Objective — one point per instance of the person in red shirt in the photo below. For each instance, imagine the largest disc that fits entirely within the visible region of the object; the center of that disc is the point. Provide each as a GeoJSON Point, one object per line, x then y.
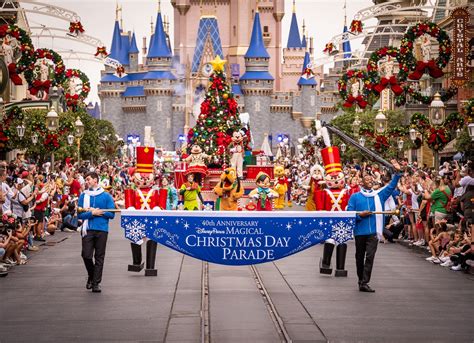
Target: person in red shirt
{"type": "Point", "coordinates": [74, 185]}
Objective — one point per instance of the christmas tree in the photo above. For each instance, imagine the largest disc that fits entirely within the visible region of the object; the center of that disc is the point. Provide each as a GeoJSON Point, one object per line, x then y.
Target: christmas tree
{"type": "Point", "coordinates": [219, 117]}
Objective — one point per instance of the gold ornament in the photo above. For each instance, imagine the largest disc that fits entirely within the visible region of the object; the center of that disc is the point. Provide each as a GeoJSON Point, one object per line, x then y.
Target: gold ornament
{"type": "Point", "coordinates": [218, 63]}
{"type": "Point", "coordinates": [225, 96]}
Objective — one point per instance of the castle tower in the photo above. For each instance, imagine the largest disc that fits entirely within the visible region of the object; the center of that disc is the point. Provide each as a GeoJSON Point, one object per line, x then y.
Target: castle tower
{"type": "Point", "coordinates": [293, 56]}
{"type": "Point", "coordinates": [308, 91]}
{"type": "Point", "coordinates": [133, 54]}
{"type": "Point", "coordinates": [234, 19]}
{"type": "Point", "coordinates": [257, 84]}
{"type": "Point", "coordinates": [159, 87]}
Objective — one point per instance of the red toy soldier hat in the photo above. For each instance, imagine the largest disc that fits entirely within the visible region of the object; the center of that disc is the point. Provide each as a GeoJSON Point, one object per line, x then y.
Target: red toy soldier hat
{"type": "Point", "coordinates": [145, 156]}
{"type": "Point", "coordinates": [331, 160]}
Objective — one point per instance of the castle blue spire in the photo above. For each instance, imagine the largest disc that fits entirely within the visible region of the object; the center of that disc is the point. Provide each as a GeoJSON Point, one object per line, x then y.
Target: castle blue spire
{"type": "Point", "coordinates": [294, 40]}
{"type": "Point", "coordinates": [158, 44]}
{"type": "Point", "coordinates": [306, 82]}
{"type": "Point", "coordinates": [303, 42]}
{"type": "Point", "coordinates": [116, 47]}
{"type": "Point", "coordinates": [257, 47]}
{"type": "Point", "coordinates": [133, 45]}
{"type": "Point", "coordinates": [346, 45]}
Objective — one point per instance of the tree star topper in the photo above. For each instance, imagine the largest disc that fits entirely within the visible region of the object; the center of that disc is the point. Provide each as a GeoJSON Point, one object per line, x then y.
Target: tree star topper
{"type": "Point", "coordinates": [218, 63]}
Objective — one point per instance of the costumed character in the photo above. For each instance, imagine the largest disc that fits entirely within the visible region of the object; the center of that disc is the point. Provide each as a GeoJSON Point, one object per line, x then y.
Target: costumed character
{"type": "Point", "coordinates": [334, 197]}
{"type": "Point", "coordinates": [144, 197]}
{"type": "Point", "coordinates": [236, 148]}
{"type": "Point", "coordinates": [289, 184]}
{"type": "Point", "coordinates": [171, 194]}
{"type": "Point", "coordinates": [229, 190]}
{"type": "Point", "coordinates": [191, 192]}
{"type": "Point", "coordinates": [263, 194]}
{"type": "Point", "coordinates": [197, 162]}
{"type": "Point", "coordinates": [313, 183]}
{"type": "Point", "coordinates": [281, 186]}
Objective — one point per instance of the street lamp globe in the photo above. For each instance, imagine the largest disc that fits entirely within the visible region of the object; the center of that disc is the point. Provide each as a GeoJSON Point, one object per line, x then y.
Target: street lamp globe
{"type": "Point", "coordinates": [52, 120]}
{"type": "Point", "coordinates": [412, 134]}
{"type": "Point", "coordinates": [20, 130]}
{"type": "Point", "coordinates": [380, 122]}
{"type": "Point", "coordinates": [79, 128]}
{"type": "Point", "coordinates": [343, 147]}
{"type": "Point", "coordinates": [437, 110]}
{"type": "Point", "coordinates": [458, 133]}
{"type": "Point", "coordinates": [470, 127]}
{"type": "Point", "coordinates": [70, 139]}
{"type": "Point", "coordinates": [400, 143]}
{"type": "Point", "coordinates": [34, 138]}
{"type": "Point", "coordinates": [356, 126]}
{"type": "Point", "coordinates": [362, 141]}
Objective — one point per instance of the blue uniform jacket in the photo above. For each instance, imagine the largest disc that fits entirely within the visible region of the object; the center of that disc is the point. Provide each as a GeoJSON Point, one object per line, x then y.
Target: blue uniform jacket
{"type": "Point", "coordinates": [359, 202]}
{"type": "Point", "coordinates": [101, 201]}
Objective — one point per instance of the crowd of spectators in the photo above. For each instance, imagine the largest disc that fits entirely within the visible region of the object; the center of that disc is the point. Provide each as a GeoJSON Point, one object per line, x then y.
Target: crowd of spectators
{"type": "Point", "coordinates": [435, 207]}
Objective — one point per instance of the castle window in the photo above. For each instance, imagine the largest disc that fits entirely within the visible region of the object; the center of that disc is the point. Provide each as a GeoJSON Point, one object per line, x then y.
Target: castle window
{"type": "Point", "coordinates": [257, 106]}
{"type": "Point", "coordinates": [159, 105]}
{"type": "Point", "coordinates": [168, 123]}
{"type": "Point", "coordinates": [257, 81]}
{"type": "Point", "coordinates": [121, 83]}
{"type": "Point", "coordinates": [234, 30]}
{"type": "Point", "coordinates": [110, 83]}
{"type": "Point", "coordinates": [265, 29]}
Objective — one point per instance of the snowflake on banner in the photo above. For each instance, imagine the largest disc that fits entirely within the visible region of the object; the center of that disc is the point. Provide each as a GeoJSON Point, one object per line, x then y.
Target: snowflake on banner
{"type": "Point", "coordinates": [135, 231]}
{"type": "Point", "coordinates": [341, 232]}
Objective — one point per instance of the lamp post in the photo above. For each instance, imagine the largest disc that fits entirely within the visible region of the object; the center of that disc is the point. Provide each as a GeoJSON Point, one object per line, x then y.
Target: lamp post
{"type": "Point", "coordinates": [412, 133]}
{"type": "Point", "coordinates": [356, 126]}
{"type": "Point", "coordinates": [400, 144]}
{"type": "Point", "coordinates": [20, 130]}
{"type": "Point", "coordinates": [52, 123]}
{"type": "Point", "coordinates": [470, 128]}
{"type": "Point", "coordinates": [79, 133]}
{"type": "Point", "coordinates": [437, 114]}
{"type": "Point", "coordinates": [343, 147]}
{"type": "Point", "coordinates": [70, 139]}
{"type": "Point", "coordinates": [34, 138]}
{"type": "Point", "coordinates": [380, 122]}
{"type": "Point", "coordinates": [362, 141]}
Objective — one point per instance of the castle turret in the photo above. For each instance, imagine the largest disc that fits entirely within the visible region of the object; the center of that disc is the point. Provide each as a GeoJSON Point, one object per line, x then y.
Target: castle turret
{"type": "Point", "coordinates": [307, 84]}
{"type": "Point", "coordinates": [133, 54]}
{"type": "Point", "coordinates": [159, 54]}
{"type": "Point", "coordinates": [257, 83]}
{"type": "Point", "coordinates": [293, 55]}
{"type": "Point", "coordinates": [294, 40]}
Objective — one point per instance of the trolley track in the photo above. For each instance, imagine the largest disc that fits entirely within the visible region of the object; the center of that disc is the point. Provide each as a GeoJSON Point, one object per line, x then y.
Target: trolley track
{"type": "Point", "coordinates": [269, 303]}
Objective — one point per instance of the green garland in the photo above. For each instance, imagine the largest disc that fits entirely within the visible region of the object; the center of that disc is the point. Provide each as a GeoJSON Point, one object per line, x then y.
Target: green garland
{"type": "Point", "coordinates": [376, 56]}
{"type": "Point", "coordinates": [415, 31]}
{"type": "Point", "coordinates": [59, 68]}
{"type": "Point", "coordinates": [469, 110]}
{"type": "Point", "coordinates": [26, 48]}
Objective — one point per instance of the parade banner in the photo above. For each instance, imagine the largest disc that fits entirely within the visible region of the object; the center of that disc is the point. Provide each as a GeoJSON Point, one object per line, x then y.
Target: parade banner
{"type": "Point", "coordinates": [237, 238]}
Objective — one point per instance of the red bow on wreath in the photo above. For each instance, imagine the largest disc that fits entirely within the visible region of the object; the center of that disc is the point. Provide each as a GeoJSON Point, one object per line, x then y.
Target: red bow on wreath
{"type": "Point", "coordinates": [39, 85]}
{"type": "Point", "coordinates": [328, 48]}
{"type": "Point", "coordinates": [72, 100]}
{"type": "Point", "coordinates": [422, 67]}
{"type": "Point", "coordinates": [392, 82]}
{"type": "Point", "coordinates": [16, 79]}
{"type": "Point", "coordinates": [356, 26]}
{"type": "Point", "coordinates": [307, 74]}
{"type": "Point", "coordinates": [120, 71]}
{"type": "Point", "coordinates": [76, 27]}
{"type": "Point", "coordinates": [101, 51]}
{"type": "Point", "coordinates": [351, 100]}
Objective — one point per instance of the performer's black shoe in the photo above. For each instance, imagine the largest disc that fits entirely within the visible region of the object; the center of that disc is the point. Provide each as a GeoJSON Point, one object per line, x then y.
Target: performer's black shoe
{"type": "Point", "coordinates": [96, 289]}
{"type": "Point", "coordinates": [366, 288]}
{"type": "Point", "coordinates": [89, 283]}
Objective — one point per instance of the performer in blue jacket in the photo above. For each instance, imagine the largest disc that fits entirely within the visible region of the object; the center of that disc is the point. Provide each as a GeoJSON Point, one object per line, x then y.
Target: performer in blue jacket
{"type": "Point", "coordinates": [369, 226]}
{"type": "Point", "coordinates": [95, 228]}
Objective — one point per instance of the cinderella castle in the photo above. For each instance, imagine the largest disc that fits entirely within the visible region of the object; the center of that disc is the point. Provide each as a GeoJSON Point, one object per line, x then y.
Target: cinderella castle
{"type": "Point", "coordinates": [165, 81]}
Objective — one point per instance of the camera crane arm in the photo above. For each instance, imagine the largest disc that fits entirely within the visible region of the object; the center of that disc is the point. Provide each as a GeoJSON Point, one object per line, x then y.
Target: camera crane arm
{"type": "Point", "coordinates": [366, 151]}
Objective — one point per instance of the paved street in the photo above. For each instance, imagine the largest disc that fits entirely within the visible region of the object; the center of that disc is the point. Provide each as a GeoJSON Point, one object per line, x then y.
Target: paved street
{"type": "Point", "coordinates": [46, 300]}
